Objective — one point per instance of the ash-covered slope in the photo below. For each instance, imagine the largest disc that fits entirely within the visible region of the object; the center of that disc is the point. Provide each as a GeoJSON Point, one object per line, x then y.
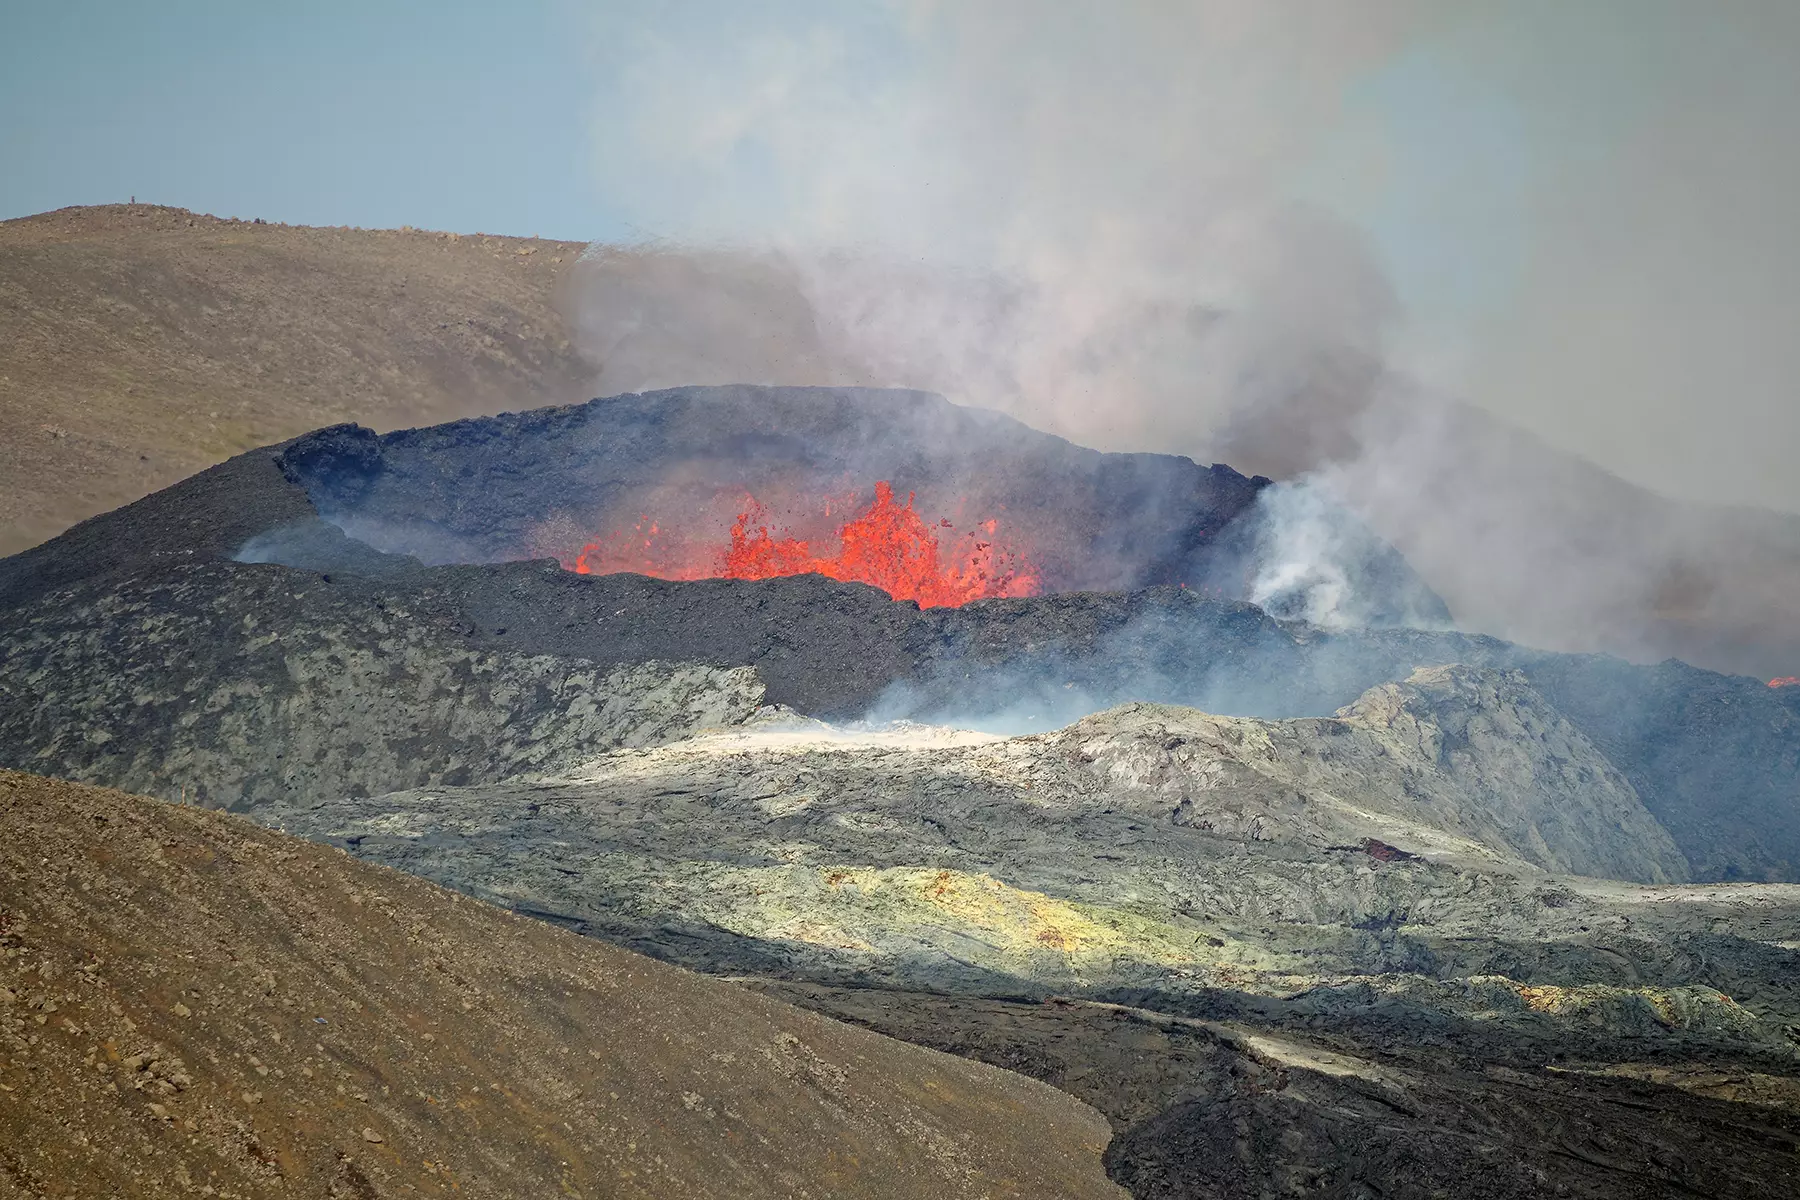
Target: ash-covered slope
{"type": "Point", "coordinates": [188, 1002]}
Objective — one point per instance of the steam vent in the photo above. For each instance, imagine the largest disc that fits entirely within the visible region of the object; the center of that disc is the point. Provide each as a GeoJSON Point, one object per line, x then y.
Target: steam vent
{"type": "Point", "coordinates": [1063, 829]}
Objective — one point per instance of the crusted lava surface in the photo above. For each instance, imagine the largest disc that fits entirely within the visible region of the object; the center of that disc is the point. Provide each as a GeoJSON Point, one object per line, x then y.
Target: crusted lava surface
{"type": "Point", "coordinates": [1208, 1108]}
{"type": "Point", "coordinates": [1383, 910]}
{"type": "Point", "coordinates": [486, 489]}
{"type": "Point", "coordinates": [141, 619]}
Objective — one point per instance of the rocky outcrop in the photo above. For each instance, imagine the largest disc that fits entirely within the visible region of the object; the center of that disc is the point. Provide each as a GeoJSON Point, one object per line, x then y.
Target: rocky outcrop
{"type": "Point", "coordinates": [1146, 847]}
{"type": "Point", "coordinates": [1716, 758]}
{"type": "Point", "coordinates": [1264, 975]}
{"type": "Point", "coordinates": [1454, 759]}
{"type": "Point", "coordinates": [1476, 754]}
{"type": "Point", "coordinates": [285, 687]}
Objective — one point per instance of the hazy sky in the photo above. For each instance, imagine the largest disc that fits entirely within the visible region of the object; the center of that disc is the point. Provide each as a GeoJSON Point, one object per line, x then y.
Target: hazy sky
{"type": "Point", "coordinates": [433, 113]}
{"type": "Point", "coordinates": [1582, 207]}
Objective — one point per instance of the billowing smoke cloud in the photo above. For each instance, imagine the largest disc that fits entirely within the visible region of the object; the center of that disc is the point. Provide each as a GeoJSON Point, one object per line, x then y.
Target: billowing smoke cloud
{"type": "Point", "coordinates": [1079, 214]}
{"type": "Point", "coordinates": [1528, 543]}
{"type": "Point", "coordinates": [1096, 217]}
{"type": "Point", "coordinates": [1313, 563]}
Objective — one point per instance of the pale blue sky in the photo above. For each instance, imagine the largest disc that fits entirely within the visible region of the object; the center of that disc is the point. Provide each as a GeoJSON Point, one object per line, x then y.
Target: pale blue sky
{"type": "Point", "coordinates": [447, 114]}
{"type": "Point", "coordinates": [470, 116]}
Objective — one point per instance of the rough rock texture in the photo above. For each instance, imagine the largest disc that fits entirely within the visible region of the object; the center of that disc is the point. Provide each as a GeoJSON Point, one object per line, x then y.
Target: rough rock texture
{"type": "Point", "coordinates": [1522, 778]}
{"type": "Point", "coordinates": [1143, 847]}
{"type": "Point", "coordinates": [1346, 1128]}
{"type": "Point", "coordinates": [529, 484]}
{"type": "Point", "coordinates": [192, 1005]}
{"type": "Point", "coordinates": [1470, 753]}
{"type": "Point", "coordinates": [1227, 1109]}
{"type": "Point", "coordinates": [285, 687]}
{"type": "Point", "coordinates": [1715, 759]}
{"type": "Point", "coordinates": [1373, 989]}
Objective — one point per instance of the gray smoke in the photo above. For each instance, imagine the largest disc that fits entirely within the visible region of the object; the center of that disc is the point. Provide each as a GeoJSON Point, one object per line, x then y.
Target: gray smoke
{"type": "Point", "coordinates": [1077, 214]}
{"type": "Point", "coordinates": [1097, 218]}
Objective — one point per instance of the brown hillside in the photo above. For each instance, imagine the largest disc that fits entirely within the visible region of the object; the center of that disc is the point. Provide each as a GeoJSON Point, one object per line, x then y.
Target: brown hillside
{"type": "Point", "coordinates": [139, 344]}
{"type": "Point", "coordinates": [191, 1005]}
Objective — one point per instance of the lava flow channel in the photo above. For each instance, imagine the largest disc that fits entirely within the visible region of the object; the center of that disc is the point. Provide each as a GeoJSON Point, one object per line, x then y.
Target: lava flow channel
{"type": "Point", "coordinates": [889, 546]}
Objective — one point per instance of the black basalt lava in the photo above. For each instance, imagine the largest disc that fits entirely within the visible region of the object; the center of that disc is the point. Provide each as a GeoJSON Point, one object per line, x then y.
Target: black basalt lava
{"type": "Point", "coordinates": [1245, 1124]}
{"type": "Point", "coordinates": [1715, 758]}
{"type": "Point", "coordinates": [524, 484]}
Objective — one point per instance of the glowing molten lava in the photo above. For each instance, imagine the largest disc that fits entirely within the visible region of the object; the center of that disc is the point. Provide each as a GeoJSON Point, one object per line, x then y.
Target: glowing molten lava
{"type": "Point", "coordinates": [1786, 681]}
{"type": "Point", "coordinates": [889, 546]}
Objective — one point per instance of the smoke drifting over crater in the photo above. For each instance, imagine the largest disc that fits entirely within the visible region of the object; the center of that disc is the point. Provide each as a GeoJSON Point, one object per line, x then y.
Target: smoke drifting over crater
{"type": "Point", "coordinates": [1225, 228]}
{"type": "Point", "coordinates": [1080, 216]}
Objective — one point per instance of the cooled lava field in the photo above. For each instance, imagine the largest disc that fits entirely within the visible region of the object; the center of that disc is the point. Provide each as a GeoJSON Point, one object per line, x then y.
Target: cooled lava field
{"type": "Point", "coordinates": [915, 716]}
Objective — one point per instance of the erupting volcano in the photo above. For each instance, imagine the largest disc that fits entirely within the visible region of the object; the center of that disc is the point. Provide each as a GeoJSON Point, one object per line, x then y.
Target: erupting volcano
{"type": "Point", "coordinates": [889, 546]}
{"type": "Point", "coordinates": [1785, 681]}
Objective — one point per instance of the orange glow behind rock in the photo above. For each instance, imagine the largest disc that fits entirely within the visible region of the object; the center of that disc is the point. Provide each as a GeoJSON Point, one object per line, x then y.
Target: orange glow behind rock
{"type": "Point", "coordinates": [1786, 681]}
{"type": "Point", "coordinates": [889, 546]}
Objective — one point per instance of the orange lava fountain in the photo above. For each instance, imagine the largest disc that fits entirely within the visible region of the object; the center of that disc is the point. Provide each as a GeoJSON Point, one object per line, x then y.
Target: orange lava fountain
{"type": "Point", "coordinates": [889, 546]}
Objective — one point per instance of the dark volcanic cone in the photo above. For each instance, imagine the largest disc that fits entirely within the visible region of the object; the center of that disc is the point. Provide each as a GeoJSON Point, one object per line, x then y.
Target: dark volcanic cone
{"type": "Point", "coordinates": [137, 651]}
{"type": "Point", "coordinates": [534, 484]}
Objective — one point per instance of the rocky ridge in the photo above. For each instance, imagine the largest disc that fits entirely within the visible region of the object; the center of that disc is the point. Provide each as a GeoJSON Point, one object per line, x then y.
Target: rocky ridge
{"type": "Point", "coordinates": [186, 691]}
{"type": "Point", "coordinates": [1715, 759]}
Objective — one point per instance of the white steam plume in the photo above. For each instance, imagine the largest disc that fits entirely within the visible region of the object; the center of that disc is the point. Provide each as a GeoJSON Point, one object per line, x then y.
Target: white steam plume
{"type": "Point", "coordinates": [1077, 213]}
{"type": "Point", "coordinates": [1086, 214]}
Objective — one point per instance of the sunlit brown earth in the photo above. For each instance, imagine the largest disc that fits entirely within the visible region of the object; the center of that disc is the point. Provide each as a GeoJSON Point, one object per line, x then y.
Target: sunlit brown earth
{"type": "Point", "coordinates": [139, 344]}
{"type": "Point", "coordinates": [191, 1005]}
